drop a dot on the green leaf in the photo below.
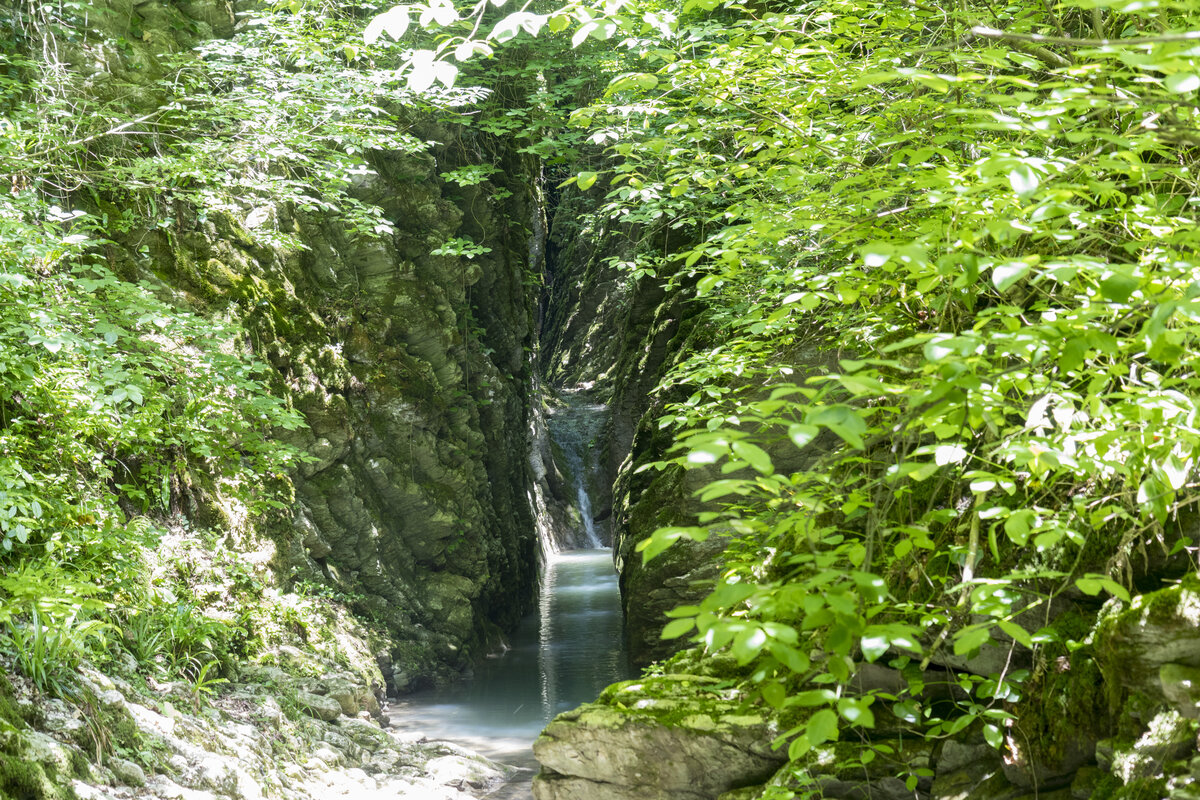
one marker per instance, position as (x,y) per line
(800,745)
(812,697)
(1018,524)
(1118,288)
(822,727)
(873,646)
(394,22)
(753,455)
(1175,472)
(1183,82)
(842,420)
(801,435)
(949,454)
(876,254)
(857,711)
(1093,584)
(663,538)
(775,694)
(1024,181)
(748,644)
(678,627)
(1006,274)
(1018,634)
(968,640)
(993,736)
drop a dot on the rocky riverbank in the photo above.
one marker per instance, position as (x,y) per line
(270,733)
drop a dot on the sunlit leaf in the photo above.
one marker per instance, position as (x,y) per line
(394,22)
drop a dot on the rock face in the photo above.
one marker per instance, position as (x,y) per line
(669,744)
(407,358)
(409,369)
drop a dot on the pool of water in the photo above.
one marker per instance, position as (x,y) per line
(560,656)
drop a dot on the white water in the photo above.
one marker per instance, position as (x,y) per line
(576,429)
(561,656)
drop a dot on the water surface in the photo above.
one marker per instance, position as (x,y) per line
(561,656)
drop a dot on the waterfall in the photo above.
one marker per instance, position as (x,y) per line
(570,473)
(573,646)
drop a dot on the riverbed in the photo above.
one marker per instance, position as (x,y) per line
(560,656)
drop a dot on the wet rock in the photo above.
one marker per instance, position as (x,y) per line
(598,752)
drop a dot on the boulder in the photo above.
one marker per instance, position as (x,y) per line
(325,708)
(126,771)
(365,734)
(1134,643)
(654,738)
(346,691)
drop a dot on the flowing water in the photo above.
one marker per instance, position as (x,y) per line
(576,428)
(561,656)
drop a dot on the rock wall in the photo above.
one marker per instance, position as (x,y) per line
(409,358)
(410,370)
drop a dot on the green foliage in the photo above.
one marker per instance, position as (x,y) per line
(50,620)
(118,406)
(950,269)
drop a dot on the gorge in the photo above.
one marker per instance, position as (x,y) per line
(684,401)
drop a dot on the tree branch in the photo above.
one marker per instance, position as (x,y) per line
(1066,41)
(1025,45)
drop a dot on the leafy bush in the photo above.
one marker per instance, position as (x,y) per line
(950,271)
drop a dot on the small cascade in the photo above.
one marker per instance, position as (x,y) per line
(573,647)
(574,471)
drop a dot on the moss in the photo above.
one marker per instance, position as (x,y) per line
(1065,701)
(1137,789)
(109,729)
(25,780)
(11,713)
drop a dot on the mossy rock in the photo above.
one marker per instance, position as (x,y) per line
(715,745)
(1133,641)
(26,780)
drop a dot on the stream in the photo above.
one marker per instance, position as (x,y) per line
(561,656)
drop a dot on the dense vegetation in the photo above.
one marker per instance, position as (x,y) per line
(950,255)
(945,260)
(138,428)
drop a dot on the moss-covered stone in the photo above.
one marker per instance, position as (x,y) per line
(25,780)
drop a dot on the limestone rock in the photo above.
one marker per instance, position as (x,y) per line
(325,708)
(346,691)
(467,772)
(126,771)
(668,745)
(37,746)
(365,734)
